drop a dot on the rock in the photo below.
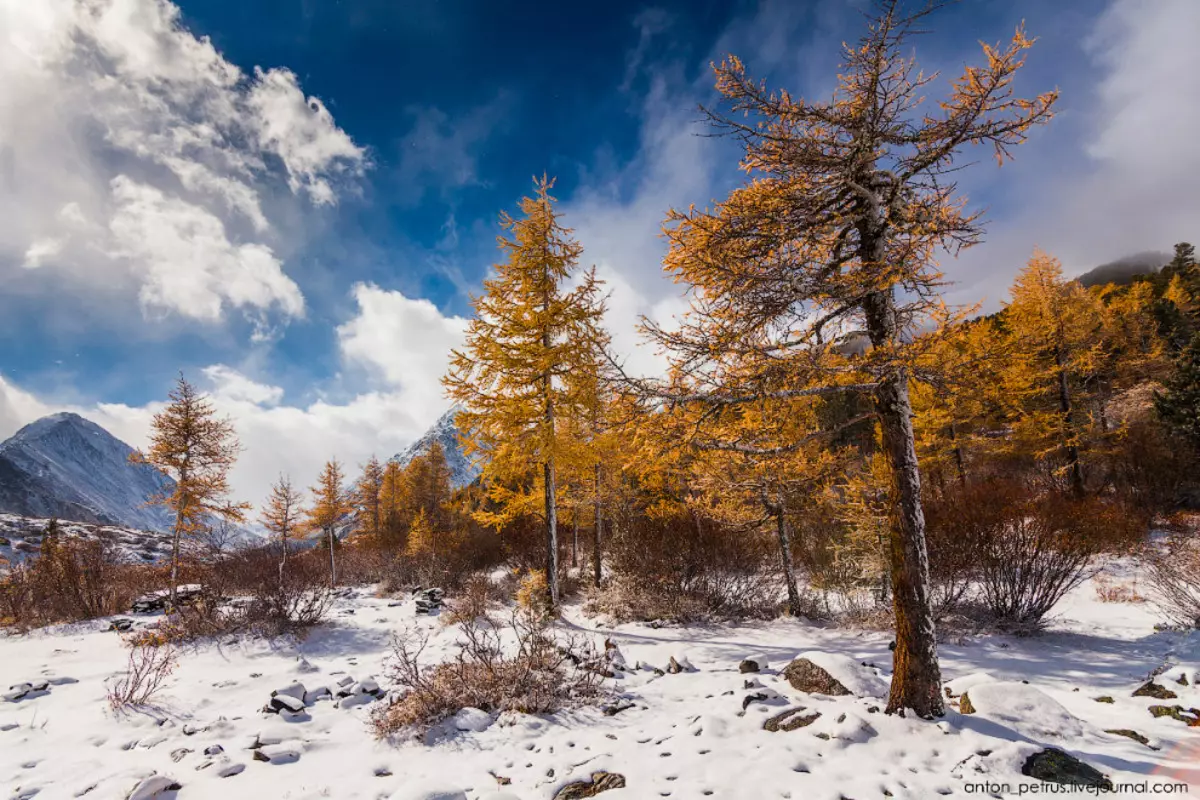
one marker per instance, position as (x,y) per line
(964,705)
(190,730)
(753,664)
(319,693)
(1177,713)
(791,720)
(613,709)
(284,702)
(345,681)
(229,769)
(17,692)
(1023,708)
(805,676)
(277,754)
(40,685)
(1104,699)
(1055,766)
(472,719)
(121,624)
(818,672)
(368,686)
(62,680)
(429,790)
(600,782)
(295,690)
(1152,689)
(214,750)
(153,786)
(1129,734)
(754,697)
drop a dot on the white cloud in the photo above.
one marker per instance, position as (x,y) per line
(404,341)
(113,110)
(187,262)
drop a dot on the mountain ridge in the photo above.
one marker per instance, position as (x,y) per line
(446,433)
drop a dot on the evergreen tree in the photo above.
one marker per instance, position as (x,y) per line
(195,447)
(1178,405)
(331,506)
(515,376)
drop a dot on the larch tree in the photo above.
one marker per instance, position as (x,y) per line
(197,448)
(850,201)
(332,504)
(391,507)
(283,517)
(536,322)
(1055,331)
(368,491)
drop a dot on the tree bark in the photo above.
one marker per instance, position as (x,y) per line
(785,557)
(181,514)
(597,532)
(1064,405)
(551,533)
(332,562)
(916,677)
(959,462)
(575,536)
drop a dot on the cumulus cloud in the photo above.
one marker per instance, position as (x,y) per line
(118,120)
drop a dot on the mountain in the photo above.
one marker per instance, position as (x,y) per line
(1123,270)
(445,432)
(68,467)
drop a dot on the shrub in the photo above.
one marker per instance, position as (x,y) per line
(149,665)
(532,595)
(473,600)
(1174,578)
(535,676)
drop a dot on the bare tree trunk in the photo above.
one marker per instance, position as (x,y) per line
(597,532)
(283,540)
(785,556)
(916,677)
(332,561)
(959,461)
(575,536)
(1064,405)
(181,513)
(551,533)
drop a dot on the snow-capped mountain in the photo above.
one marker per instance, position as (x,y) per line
(68,467)
(445,432)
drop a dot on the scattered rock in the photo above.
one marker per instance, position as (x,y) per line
(1104,699)
(613,709)
(153,786)
(295,690)
(1024,708)
(600,782)
(1129,734)
(214,750)
(17,692)
(753,664)
(314,695)
(229,769)
(120,624)
(805,676)
(190,730)
(1152,689)
(284,702)
(755,697)
(1177,713)
(277,754)
(1055,766)
(791,720)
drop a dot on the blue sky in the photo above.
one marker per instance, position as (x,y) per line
(170,197)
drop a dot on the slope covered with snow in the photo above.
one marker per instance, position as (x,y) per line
(444,432)
(68,467)
(21,539)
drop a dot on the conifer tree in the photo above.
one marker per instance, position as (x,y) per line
(282,516)
(427,488)
(849,203)
(1178,405)
(515,374)
(1055,335)
(192,445)
(391,507)
(368,511)
(331,506)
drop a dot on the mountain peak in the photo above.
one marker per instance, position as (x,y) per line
(445,432)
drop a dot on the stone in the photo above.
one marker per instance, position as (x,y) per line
(752,664)
(284,702)
(121,624)
(616,708)
(319,693)
(600,782)
(964,705)
(214,750)
(17,692)
(295,690)
(153,786)
(805,676)
(1129,734)
(790,720)
(1152,689)
(1104,699)
(228,770)
(277,754)
(1055,766)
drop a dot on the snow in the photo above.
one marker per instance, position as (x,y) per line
(691,734)
(21,538)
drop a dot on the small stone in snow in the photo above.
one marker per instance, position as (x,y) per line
(1152,689)
(753,664)
(153,786)
(231,769)
(295,690)
(284,702)
(214,750)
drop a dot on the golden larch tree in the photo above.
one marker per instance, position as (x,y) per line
(196,448)
(515,374)
(368,491)
(283,517)
(330,509)
(849,202)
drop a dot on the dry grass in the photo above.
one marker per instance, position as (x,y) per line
(1111,591)
(149,666)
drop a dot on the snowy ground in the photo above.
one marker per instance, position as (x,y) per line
(21,538)
(685,736)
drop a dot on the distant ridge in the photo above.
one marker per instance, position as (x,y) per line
(1122,271)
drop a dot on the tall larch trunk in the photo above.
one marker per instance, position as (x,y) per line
(332,561)
(1064,406)
(916,676)
(785,557)
(597,531)
(181,514)
(575,536)
(959,462)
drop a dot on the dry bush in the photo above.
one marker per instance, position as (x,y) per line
(1174,578)
(149,665)
(473,600)
(684,568)
(535,676)
(1110,591)
(533,595)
